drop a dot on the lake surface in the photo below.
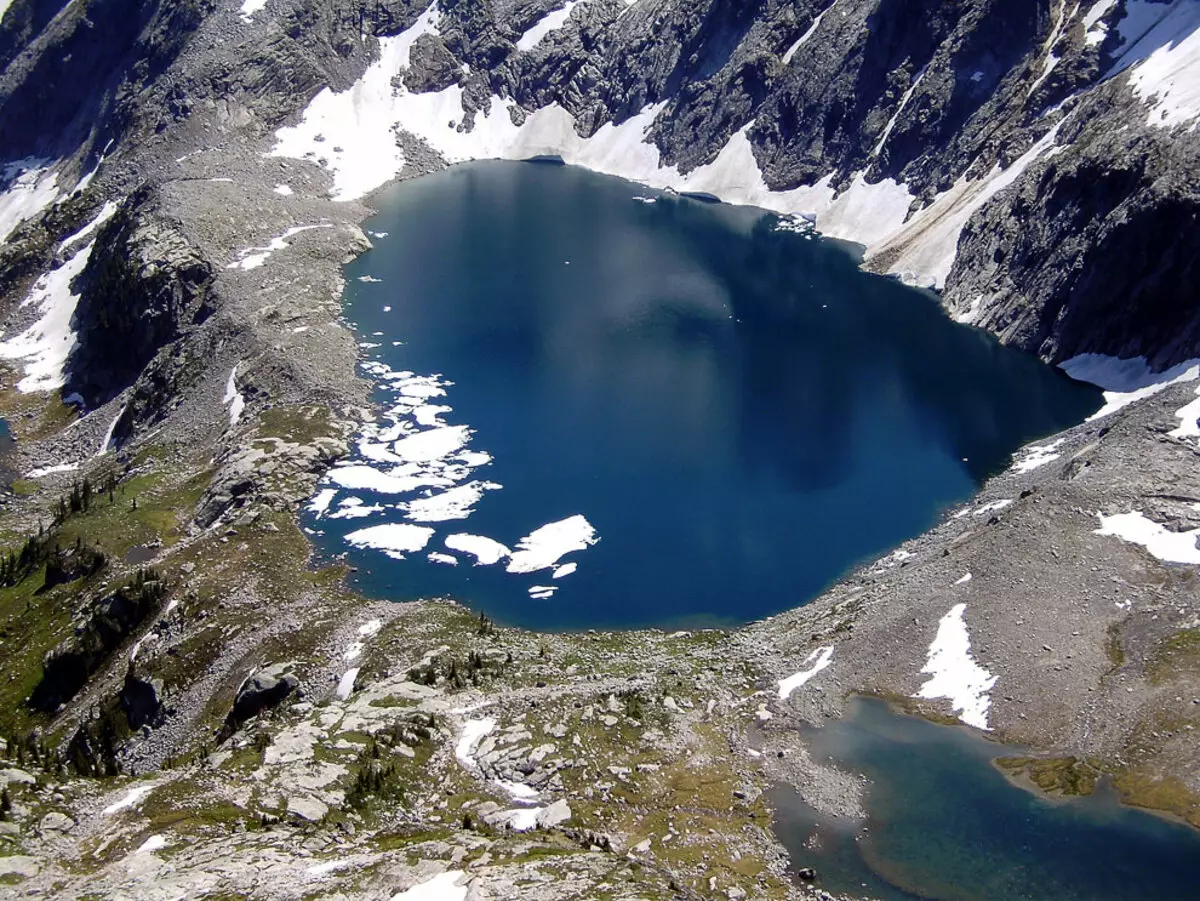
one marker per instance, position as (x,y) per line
(643,409)
(944,823)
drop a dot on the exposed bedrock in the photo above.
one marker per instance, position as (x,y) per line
(1098,252)
(144,286)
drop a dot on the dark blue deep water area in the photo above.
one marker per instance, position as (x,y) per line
(606,406)
(944,823)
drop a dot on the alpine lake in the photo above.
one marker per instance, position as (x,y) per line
(607,407)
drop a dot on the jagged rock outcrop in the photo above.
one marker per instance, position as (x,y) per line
(104,628)
(144,286)
(261,691)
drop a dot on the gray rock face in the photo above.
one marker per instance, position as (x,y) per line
(431,66)
(143,287)
(261,691)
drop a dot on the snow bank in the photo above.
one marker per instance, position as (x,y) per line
(346,684)
(250,7)
(820,658)
(31,188)
(253,257)
(1036,455)
(133,797)
(106,213)
(1189,420)
(393,538)
(954,675)
(108,433)
(1126,380)
(473,733)
(233,398)
(1170,547)
(442,887)
(1162,50)
(46,344)
(485,550)
(550,22)
(804,38)
(50,470)
(152,844)
(542,548)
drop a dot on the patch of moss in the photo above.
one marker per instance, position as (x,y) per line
(1167,795)
(1066,776)
(1174,657)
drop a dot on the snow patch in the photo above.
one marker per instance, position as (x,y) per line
(442,887)
(1168,546)
(954,675)
(152,844)
(550,22)
(250,7)
(283,190)
(233,398)
(1189,420)
(820,658)
(133,797)
(346,684)
(50,470)
(106,441)
(253,257)
(473,733)
(31,188)
(1036,455)
(804,38)
(1126,380)
(106,213)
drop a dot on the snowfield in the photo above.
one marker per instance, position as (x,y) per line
(954,674)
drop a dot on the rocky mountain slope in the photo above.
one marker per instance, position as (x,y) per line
(190,709)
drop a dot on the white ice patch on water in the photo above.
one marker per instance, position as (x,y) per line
(394,539)
(1035,456)
(253,257)
(542,592)
(473,733)
(355,508)
(542,548)
(442,887)
(1126,380)
(954,675)
(819,659)
(321,501)
(1168,546)
(486,551)
(455,503)
(444,559)
(552,21)
(561,572)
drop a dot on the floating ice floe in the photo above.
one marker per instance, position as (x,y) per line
(320,503)
(542,548)
(954,675)
(486,551)
(1168,546)
(820,658)
(355,508)
(454,503)
(394,539)
(542,592)
(561,572)
(444,559)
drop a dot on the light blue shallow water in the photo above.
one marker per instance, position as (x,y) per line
(944,823)
(722,416)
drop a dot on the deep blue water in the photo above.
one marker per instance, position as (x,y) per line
(944,823)
(738,412)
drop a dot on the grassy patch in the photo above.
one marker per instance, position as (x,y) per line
(1066,776)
